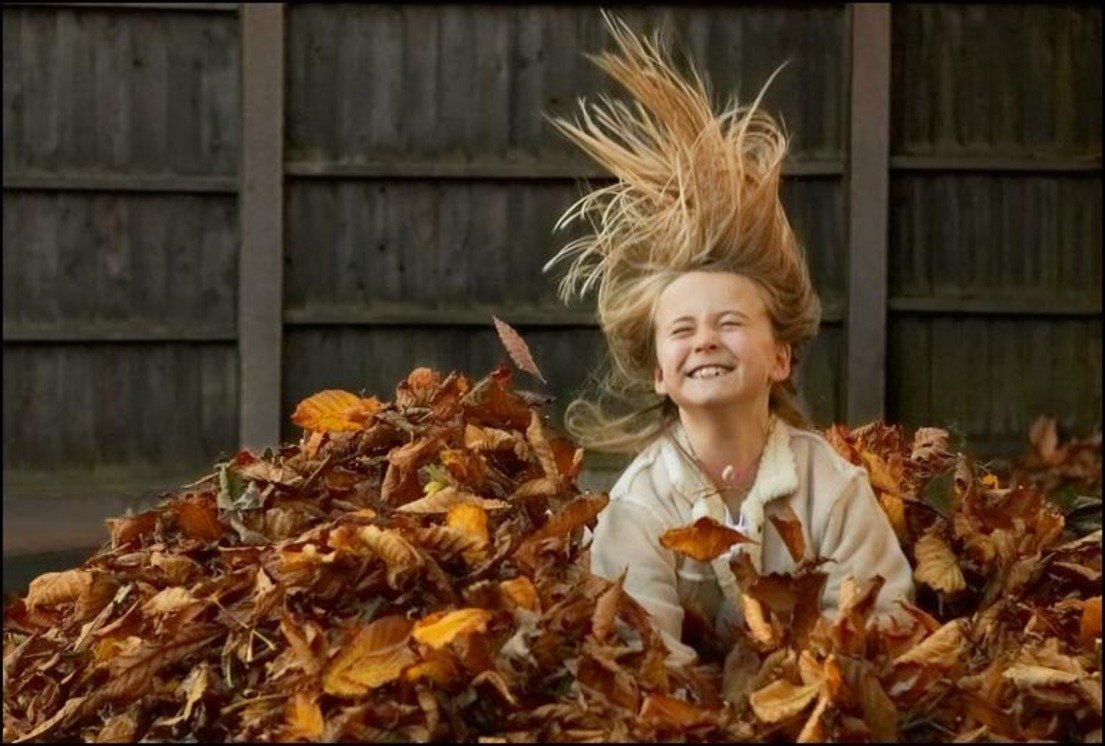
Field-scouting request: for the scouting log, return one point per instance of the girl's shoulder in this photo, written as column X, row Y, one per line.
column 647, row 481
column 819, row 462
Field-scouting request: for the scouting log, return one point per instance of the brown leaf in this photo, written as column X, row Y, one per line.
column 606, row 609
column 662, row 710
column 375, row 656
column 789, row 526
column 703, row 540
column 517, row 348
column 399, row 555
column 52, row 588
column 940, row 649
column 1089, row 627
column 198, row 518
column 471, row 520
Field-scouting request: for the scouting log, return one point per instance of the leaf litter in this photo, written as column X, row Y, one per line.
column 416, row 570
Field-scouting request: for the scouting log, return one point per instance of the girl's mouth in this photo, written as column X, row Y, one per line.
column 709, row 371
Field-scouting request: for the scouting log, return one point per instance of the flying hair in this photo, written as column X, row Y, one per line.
column 693, row 190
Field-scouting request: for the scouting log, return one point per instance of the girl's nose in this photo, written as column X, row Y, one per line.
column 705, row 340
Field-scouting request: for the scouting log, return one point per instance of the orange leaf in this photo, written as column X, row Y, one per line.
column 376, row 655
column 440, row 628
column 472, row 521
column 765, row 632
column 659, row 709
column 439, row 668
column 789, row 526
column 397, row 552
column 519, row 592
column 334, row 410
column 606, row 609
column 517, row 348
column 198, row 518
column 937, row 566
column 703, row 540
column 303, row 718
column 1090, row 625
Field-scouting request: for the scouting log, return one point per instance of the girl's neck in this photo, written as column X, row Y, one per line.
column 732, row 439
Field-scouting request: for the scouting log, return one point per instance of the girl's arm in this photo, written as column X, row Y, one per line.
column 859, row 538
column 627, row 537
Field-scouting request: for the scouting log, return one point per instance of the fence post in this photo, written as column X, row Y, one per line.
column 261, row 210
column 867, row 179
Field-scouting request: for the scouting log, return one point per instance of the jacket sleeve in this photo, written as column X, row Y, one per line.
column 627, row 537
column 861, row 541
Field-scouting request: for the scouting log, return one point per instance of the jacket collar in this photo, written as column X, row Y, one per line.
column 776, row 477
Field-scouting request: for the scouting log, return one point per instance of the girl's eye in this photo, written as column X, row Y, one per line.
column 680, row 331
column 730, row 324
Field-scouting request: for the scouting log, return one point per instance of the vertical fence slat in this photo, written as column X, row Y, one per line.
column 867, row 179
column 260, row 279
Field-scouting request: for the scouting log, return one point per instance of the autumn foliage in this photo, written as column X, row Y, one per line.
column 416, row 570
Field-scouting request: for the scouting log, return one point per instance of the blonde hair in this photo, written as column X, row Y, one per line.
column 693, row 191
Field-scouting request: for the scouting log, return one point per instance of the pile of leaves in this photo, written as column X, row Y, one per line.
column 415, row 570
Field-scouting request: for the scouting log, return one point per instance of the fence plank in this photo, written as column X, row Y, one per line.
column 260, row 276
column 868, row 177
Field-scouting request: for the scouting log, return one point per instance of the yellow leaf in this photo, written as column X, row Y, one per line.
column 764, row 632
column 813, row 731
column 782, row 700
column 937, row 566
column 334, row 410
column 53, row 588
column 941, row 649
column 440, row 628
column 703, row 540
column 878, row 472
column 446, row 498
column 471, row 520
column 376, row 655
column 303, row 718
column 894, row 508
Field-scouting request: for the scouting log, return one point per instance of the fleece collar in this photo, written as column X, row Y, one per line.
column 777, row 477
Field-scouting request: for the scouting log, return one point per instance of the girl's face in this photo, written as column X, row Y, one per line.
column 714, row 342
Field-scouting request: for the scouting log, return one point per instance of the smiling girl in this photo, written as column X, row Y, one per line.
column 704, row 299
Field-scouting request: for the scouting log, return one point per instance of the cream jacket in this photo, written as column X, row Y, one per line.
column 663, row 488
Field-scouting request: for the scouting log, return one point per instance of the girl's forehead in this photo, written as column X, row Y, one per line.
column 695, row 293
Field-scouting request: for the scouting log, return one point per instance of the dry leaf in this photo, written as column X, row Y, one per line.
column 334, row 410
column 781, row 700
column 439, row 629
column 517, row 348
column 937, row 566
column 789, row 526
column 449, row 497
column 703, row 540
column 375, row 656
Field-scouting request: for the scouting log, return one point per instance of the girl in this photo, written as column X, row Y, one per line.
column 704, row 299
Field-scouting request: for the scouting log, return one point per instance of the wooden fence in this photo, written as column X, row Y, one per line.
column 212, row 211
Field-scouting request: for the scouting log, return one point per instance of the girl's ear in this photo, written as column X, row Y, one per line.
column 780, row 369
column 658, row 384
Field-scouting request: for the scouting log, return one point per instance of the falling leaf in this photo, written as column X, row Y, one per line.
column 937, row 565
column 376, row 655
column 703, row 540
column 517, row 348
